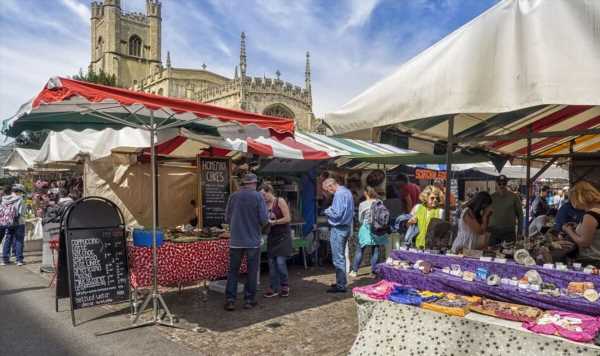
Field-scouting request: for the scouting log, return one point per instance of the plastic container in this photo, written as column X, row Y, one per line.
column 143, row 238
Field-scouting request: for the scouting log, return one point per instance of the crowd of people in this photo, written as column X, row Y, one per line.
column 44, row 200
column 483, row 220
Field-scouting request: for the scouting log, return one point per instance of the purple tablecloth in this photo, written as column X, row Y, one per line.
column 438, row 281
column 505, row 270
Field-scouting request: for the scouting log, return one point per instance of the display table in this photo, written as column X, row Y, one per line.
column 387, row 328
column 180, row 264
column 509, row 269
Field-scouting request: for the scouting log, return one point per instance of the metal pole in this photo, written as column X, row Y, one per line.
column 528, row 181
column 154, row 252
column 449, row 149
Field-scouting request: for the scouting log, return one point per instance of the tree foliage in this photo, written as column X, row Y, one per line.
column 98, row 78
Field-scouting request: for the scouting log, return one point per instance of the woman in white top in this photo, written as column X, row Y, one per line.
column 473, row 223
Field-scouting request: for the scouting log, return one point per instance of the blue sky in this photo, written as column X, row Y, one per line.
column 353, row 43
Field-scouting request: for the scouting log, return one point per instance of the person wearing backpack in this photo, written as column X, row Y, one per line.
column 374, row 225
column 12, row 209
column 7, row 192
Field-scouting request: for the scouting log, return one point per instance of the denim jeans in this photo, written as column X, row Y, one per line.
column 14, row 239
column 338, row 239
column 235, row 261
column 375, row 251
column 278, row 273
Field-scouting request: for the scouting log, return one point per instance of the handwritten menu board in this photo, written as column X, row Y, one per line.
column 98, row 270
column 215, row 188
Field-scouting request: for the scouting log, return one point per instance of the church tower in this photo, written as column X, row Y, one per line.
column 127, row 45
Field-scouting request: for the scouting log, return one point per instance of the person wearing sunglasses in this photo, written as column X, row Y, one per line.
column 432, row 199
column 507, row 218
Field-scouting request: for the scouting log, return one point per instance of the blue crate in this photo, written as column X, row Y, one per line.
column 143, row 238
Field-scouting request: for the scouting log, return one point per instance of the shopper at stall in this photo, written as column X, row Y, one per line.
column 409, row 192
column 508, row 213
column 567, row 214
column 586, row 197
column 3, row 229
column 540, row 203
column 366, row 238
column 473, row 224
column 431, row 199
column 246, row 214
column 12, row 211
column 279, row 242
column 340, row 215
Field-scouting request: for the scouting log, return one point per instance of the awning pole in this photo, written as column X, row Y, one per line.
column 449, row 149
column 528, row 182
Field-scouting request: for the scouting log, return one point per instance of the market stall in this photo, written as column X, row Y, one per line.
column 505, row 100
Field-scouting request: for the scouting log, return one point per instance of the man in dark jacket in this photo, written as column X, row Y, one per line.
column 246, row 213
column 540, row 205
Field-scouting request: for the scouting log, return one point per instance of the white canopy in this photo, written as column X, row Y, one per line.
column 69, row 145
column 21, row 159
column 520, row 172
column 536, row 54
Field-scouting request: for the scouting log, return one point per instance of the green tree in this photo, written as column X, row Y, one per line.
column 98, row 78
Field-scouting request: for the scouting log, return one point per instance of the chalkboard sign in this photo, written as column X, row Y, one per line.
column 97, row 260
column 92, row 266
column 215, row 187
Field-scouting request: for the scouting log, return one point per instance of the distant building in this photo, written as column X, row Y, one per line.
column 128, row 45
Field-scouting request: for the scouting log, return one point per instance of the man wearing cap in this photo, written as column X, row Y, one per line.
column 246, row 213
column 508, row 213
column 340, row 217
column 13, row 208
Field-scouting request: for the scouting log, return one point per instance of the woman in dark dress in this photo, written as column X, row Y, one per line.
column 279, row 242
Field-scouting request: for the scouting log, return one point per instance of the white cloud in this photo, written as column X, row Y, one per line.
column 360, row 12
column 79, row 9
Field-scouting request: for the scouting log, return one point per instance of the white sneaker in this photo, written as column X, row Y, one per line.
column 20, row 263
column 352, row 274
column 2, row 263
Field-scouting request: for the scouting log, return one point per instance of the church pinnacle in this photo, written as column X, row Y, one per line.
column 243, row 55
column 168, row 59
column 307, row 73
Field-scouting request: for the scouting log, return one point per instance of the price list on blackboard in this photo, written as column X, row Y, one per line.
column 98, row 261
column 215, row 187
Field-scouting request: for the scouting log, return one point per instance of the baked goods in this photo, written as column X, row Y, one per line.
column 506, row 311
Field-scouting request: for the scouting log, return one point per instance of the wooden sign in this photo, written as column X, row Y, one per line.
column 215, row 188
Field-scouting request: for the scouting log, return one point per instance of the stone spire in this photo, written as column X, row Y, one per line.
column 278, row 74
column 307, row 73
column 307, row 84
column 243, row 55
column 242, row 71
column 235, row 73
column 168, row 59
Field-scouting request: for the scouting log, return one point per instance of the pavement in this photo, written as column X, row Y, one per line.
column 309, row 322
column 30, row 325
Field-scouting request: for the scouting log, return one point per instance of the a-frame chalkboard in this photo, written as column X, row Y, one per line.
column 92, row 268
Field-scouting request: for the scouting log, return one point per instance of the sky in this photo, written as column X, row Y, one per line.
column 353, row 43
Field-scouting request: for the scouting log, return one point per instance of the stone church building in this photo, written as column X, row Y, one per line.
column 128, row 45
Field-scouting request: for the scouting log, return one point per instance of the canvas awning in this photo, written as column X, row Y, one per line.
column 75, row 105
column 21, row 159
column 523, row 66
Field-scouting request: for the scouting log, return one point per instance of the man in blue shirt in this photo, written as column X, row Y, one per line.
column 340, row 215
column 246, row 213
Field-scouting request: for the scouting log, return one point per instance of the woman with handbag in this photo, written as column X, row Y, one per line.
column 279, row 242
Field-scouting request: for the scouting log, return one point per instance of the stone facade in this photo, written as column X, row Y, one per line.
column 128, row 45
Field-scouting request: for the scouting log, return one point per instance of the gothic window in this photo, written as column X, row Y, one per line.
column 279, row 110
column 135, row 46
column 99, row 47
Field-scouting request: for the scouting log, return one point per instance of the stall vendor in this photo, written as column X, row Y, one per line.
column 586, row 197
column 508, row 213
column 430, row 207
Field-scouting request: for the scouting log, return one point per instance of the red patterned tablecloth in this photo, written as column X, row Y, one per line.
column 180, row 263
